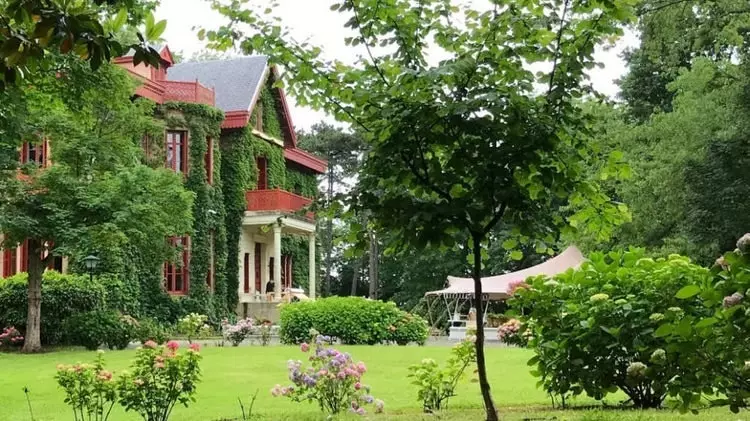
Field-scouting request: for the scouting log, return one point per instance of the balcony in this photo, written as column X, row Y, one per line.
column 188, row 92
column 276, row 200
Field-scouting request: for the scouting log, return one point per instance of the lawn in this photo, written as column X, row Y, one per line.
column 229, row 373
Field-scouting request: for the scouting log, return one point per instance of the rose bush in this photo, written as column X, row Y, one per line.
column 194, row 326
column 332, row 379
column 11, row 337
column 595, row 329
column 238, row 332
column 160, row 378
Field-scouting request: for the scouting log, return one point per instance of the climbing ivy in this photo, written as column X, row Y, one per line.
column 301, row 182
column 203, row 122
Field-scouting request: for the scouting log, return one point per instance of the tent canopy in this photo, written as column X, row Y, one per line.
column 496, row 287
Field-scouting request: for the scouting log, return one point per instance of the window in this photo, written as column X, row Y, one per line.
column 9, row 262
column 262, row 164
column 210, row 161
column 210, row 274
column 177, row 157
column 176, row 277
column 247, row 273
column 35, row 153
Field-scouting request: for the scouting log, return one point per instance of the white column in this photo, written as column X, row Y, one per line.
column 311, row 256
column 277, row 262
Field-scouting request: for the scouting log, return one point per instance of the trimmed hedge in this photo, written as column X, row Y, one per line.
column 100, row 327
column 352, row 320
column 62, row 297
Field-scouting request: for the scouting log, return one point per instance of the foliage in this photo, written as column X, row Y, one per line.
column 89, row 389
column 193, row 326
column 351, row 320
column 595, row 329
column 160, row 378
column 438, row 384
column 238, row 332
column 11, row 337
column 709, row 334
column 265, row 330
column 100, row 327
column 31, row 30
column 151, row 330
column 65, row 295
column 410, row 328
column 440, row 134
column 333, row 380
column 512, row 332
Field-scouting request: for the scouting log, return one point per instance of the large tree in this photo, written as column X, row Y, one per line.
column 96, row 197
column 458, row 145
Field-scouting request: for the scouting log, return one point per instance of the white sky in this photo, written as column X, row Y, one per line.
column 314, row 20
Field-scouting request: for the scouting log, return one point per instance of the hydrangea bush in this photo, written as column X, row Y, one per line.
column 194, row 326
column 436, row 384
column 160, row 378
column 89, row 389
column 513, row 332
column 11, row 337
column 597, row 329
column 332, row 379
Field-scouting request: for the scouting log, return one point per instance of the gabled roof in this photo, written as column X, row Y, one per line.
column 236, row 81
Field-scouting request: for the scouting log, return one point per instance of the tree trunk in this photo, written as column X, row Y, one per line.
column 484, row 385
column 32, row 337
column 373, row 268
column 355, row 276
column 329, row 233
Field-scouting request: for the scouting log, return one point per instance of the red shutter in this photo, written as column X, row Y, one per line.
column 9, row 262
column 24, row 152
column 25, row 256
column 210, row 161
column 258, row 258
column 247, row 273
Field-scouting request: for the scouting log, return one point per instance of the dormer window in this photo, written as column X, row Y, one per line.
column 35, row 153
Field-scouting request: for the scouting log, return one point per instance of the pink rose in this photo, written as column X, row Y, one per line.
column 357, row 386
column 304, row 347
column 150, row 344
column 173, row 345
column 195, row 347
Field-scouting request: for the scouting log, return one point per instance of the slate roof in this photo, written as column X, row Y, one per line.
column 235, row 80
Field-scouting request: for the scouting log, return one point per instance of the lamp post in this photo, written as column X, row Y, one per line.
column 91, row 262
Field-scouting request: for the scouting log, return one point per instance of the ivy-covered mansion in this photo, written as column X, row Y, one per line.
column 230, row 134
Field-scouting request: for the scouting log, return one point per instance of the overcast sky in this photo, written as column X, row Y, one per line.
column 313, row 19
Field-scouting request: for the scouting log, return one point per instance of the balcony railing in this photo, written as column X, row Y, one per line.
column 276, row 200
column 188, row 92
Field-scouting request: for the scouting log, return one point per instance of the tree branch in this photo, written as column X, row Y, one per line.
column 367, row 43
column 558, row 43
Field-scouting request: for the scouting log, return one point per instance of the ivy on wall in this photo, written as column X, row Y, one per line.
column 203, row 122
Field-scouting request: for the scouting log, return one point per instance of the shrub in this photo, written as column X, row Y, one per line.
column 436, row 385
column 512, row 332
column 333, row 380
column 151, row 330
column 89, row 389
column 265, row 330
column 238, row 332
column 11, row 337
column 409, row 328
column 708, row 332
column 100, row 327
column 193, row 326
column 63, row 296
column 593, row 328
column 352, row 320
column 160, row 378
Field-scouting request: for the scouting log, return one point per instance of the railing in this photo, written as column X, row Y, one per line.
column 188, row 92
column 275, row 200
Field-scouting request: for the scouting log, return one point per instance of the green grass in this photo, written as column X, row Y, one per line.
column 229, row 373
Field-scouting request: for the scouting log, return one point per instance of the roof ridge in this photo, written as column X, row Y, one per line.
column 221, row 59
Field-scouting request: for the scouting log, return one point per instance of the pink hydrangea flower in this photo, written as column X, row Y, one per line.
column 150, row 344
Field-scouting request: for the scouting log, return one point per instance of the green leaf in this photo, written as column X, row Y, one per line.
column 510, row 244
column 706, row 322
column 120, row 19
column 688, row 291
column 663, row 330
column 516, row 255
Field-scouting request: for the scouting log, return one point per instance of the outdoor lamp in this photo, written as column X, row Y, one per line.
column 91, row 262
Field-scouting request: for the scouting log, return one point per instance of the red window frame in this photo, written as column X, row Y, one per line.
column 9, row 262
column 262, row 164
column 177, row 277
column 247, row 273
column 177, row 151
column 210, row 160
column 35, row 153
column 258, row 266
column 25, row 256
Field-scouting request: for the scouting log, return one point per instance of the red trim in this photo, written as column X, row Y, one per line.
column 247, row 273
column 178, row 140
column 25, row 256
column 166, row 56
column 9, row 262
column 210, row 160
column 258, row 265
column 262, row 164
column 306, row 159
column 173, row 272
column 235, row 119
